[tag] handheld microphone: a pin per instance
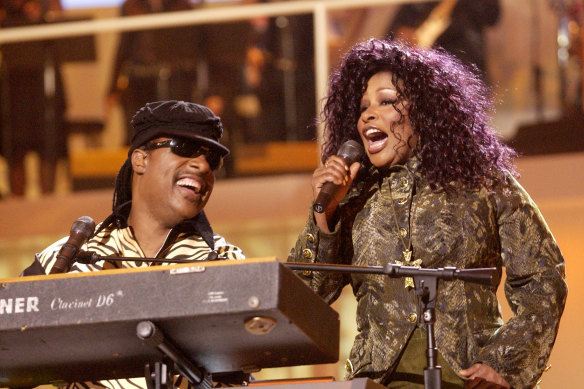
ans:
(351, 152)
(81, 231)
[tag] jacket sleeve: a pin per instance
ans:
(35, 269)
(316, 246)
(535, 288)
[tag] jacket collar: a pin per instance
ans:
(412, 165)
(198, 225)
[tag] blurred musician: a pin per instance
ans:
(153, 65)
(458, 26)
(33, 97)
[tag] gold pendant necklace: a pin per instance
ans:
(407, 253)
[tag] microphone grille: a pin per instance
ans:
(84, 226)
(351, 151)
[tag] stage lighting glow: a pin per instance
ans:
(77, 4)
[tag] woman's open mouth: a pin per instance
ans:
(375, 140)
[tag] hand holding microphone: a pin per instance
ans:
(350, 152)
(81, 230)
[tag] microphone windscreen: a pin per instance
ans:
(351, 151)
(84, 226)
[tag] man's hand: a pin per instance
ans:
(481, 376)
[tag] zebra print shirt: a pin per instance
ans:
(114, 242)
(190, 240)
(193, 240)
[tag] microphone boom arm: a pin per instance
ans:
(485, 276)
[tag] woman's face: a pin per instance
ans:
(384, 136)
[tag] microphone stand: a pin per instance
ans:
(426, 288)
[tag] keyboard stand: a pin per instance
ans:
(161, 377)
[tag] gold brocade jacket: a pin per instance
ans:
(470, 229)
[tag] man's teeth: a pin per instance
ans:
(190, 183)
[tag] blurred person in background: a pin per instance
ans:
(33, 99)
(224, 51)
(153, 65)
(284, 77)
(458, 26)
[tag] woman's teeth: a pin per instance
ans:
(376, 140)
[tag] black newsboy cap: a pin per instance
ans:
(177, 118)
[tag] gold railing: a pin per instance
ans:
(318, 8)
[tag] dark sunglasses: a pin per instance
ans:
(189, 149)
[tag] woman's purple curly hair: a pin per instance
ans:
(449, 106)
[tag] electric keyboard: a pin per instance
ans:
(225, 316)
